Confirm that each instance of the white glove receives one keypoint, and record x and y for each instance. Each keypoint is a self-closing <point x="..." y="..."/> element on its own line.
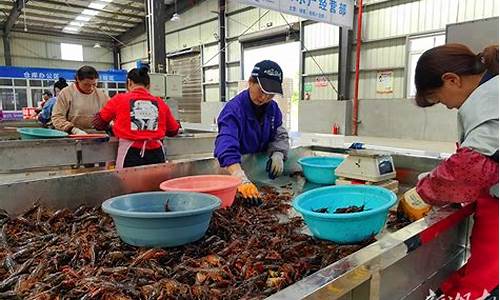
<point x="241" y="175"/>
<point x="77" y="131"/>
<point x="494" y="191"/>
<point x="422" y="175"/>
<point x="276" y="165"/>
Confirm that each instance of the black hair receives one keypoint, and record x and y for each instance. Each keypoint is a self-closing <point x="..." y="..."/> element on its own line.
<point x="60" y="84"/>
<point x="87" y="72"/>
<point x="139" y="76"/>
<point x="48" y="93"/>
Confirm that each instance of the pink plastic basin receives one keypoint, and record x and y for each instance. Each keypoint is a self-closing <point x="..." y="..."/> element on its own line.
<point x="222" y="186"/>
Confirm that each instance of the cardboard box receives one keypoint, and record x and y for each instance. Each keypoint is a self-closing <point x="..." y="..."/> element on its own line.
<point x="29" y="113"/>
<point x="391" y="184"/>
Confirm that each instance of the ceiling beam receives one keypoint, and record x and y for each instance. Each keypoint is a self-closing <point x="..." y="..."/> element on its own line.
<point x="72" y="14"/>
<point x="55" y="24"/>
<point x="134" y="9"/>
<point x="121" y="6"/>
<point x="132" y="33"/>
<point x="31" y="15"/>
<point x="14" y="14"/>
<point x="48" y="31"/>
<point x="140" y="29"/>
<point x="117" y="13"/>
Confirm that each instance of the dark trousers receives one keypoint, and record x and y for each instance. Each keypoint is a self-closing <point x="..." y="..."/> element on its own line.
<point x="134" y="159"/>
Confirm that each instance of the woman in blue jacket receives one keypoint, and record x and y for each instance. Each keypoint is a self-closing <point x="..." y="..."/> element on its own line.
<point x="45" y="115"/>
<point x="252" y="122"/>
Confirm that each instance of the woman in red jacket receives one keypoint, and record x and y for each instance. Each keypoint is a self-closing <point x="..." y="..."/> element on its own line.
<point x="141" y="121"/>
<point x="458" y="78"/>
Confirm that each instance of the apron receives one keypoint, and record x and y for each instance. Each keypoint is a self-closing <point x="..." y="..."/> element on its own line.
<point x="480" y="275"/>
<point x="478" y="130"/>
<point x="123" y="147"/>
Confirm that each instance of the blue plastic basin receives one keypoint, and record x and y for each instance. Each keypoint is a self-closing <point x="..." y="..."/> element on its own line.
<point x="141" y="219"/>
<point x="40" y="133"/>
<point x="319" y="169"/>
<point x="346" y="228"/>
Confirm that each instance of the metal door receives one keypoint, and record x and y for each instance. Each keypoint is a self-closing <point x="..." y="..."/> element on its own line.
<point x="188" y="64"/>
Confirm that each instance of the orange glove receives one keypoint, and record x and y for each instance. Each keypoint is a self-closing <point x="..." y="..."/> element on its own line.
<point x="247" y="190"/>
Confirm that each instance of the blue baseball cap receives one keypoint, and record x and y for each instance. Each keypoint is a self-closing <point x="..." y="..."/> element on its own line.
<point x="269" y="76"/>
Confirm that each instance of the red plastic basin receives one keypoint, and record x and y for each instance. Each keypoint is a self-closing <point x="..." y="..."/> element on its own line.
<point x="222" y="186"/>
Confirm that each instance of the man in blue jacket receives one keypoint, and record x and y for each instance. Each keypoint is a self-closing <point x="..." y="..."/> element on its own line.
<point x="252" y="122"/>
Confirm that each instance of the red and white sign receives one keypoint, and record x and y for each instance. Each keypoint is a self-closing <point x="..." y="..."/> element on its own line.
<point x="321" y="81"/>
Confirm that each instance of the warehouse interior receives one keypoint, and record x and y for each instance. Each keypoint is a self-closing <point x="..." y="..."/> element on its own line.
<point x="393" y="35"/>
<point x="349" y="102"/>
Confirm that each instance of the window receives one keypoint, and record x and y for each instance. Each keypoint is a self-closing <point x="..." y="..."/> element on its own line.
<point x="36" y="96"/>
<point x="19" y="82"/>
<point x="71" y="52"/>
<point x="418" y="45"/>
<point x="6" y="82"/>
<point x="33" y="83"/>
<point x="49" y="83"/>
<point x="21" y="99"/>
<point x="7" y="96"/>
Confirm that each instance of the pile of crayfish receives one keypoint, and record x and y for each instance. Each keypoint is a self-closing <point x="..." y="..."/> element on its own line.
<point x="247" y="253"/>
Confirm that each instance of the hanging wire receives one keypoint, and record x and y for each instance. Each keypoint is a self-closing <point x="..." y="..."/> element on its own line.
<point x="236" y="21"/>
<point x="230" y="42"/>
<point x="202" y="65"/>
<point x="314" y="59"/>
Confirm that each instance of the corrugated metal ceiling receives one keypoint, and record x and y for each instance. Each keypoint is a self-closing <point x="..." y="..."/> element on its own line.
<point x="52" y="16"/>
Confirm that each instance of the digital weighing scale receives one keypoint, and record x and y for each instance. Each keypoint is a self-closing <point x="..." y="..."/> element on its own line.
<point x="367" y="167"/>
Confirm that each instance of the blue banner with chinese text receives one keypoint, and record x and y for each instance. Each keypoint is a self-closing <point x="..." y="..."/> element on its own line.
<point x="54" y="74"/>
<point x="336" y="12"/>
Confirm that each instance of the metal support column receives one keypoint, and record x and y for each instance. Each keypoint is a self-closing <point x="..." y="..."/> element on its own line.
<point x="222" y="48"/>
<point x="344" y="71"/>
<point x="15" y="12"/>
<point x="156" y="34"/>
<point x="302" y="61"/>
<point x="116" y="56"/>
<point x="6" y="50"/>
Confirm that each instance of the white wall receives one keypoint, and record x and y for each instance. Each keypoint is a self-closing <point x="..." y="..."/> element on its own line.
<point x="382" y="118"/>
<point x="45" y="51"/>
<point x="320" y="115"/>
<point x="387" y="26"/>
<point x="135" y="49"/>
